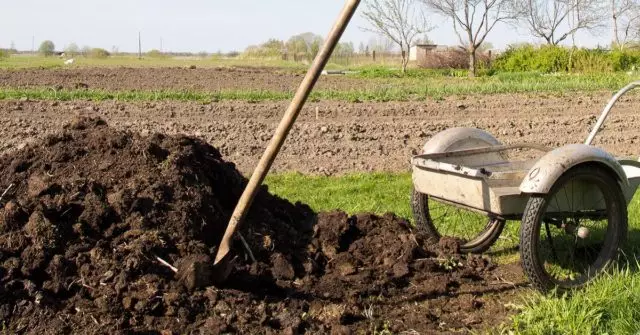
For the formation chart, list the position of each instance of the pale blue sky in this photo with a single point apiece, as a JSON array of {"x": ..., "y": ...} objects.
[{"x": 195, "y": 25}]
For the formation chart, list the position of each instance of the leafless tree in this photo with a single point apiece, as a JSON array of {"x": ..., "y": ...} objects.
[
  {"x": 556, "y": 20},
  {"x": 626, "y": 22},
  {"x": 380, "y": 44},
  {"x": 473, "y": 20},
  {"x": 398, "y": 20}
]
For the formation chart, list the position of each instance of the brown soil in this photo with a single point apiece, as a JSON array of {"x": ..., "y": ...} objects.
[
  {"x": 345, "y": 137},
  {"x": 200, "y": 79},
  {"x": 92, "y": 208}
]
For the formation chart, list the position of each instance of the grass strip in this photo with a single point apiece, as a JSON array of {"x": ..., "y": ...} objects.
[
  {"x": 393, "y": 90},
  {"x": 354, "y": 193}
]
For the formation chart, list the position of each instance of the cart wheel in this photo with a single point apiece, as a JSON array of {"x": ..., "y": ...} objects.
[
  {"x": 571, "y": 235},
  {"x": 438, "y": 219}
]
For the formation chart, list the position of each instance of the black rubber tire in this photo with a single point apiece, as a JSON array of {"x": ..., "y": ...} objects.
[
  {"x": 532, "y": 224},
  {"x": 479, "y": 244}
]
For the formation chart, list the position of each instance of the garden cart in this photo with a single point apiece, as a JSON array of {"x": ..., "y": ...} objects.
[{"x": 572, "y": 201}]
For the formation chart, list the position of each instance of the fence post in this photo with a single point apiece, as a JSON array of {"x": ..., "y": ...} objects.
[{"x": 374, "y": 56}]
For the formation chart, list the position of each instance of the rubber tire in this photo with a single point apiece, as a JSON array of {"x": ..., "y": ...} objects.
[
  {"x": 531, "y": 225},
  {"x": 420, "y": 208}
]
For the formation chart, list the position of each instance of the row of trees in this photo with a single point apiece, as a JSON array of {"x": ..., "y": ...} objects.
[
  {"x": 48, "y": 48},
  {"x": 553, "y": 21},
  {"x": 303, "y": 45},
  {"x": 307, "y": 45},
  {"x": 73, "y": 50}
]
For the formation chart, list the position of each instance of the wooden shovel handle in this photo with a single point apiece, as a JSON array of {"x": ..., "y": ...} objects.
[{"x": 285, "y": 126}]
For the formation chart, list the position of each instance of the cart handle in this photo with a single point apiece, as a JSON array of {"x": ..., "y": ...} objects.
[{"x": 607, "y": 109}]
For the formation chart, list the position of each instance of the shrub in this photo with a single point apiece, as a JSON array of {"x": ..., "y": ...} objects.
[
  {"x": 98, "y": 53},
  {"x": 47, "y": 48},
  {"x": 448, "y": 59},
  {"x": 550, "y": 59},
  {"x": 4, "y": 53},
  {"x": 452, "y": 58},
  {"x": 270, "y": 49},
  {"x": 595, "y": 60},
  {"x": 624, "y": 60},
  {"x": 72, "y": 50},
  {"x": 232, "y": 54},
  {"x": 546, "y": 59},
  {"x": 155, "y": 54}
]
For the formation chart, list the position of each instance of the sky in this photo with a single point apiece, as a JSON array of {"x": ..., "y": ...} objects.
[{"x": 200, "y": 25}]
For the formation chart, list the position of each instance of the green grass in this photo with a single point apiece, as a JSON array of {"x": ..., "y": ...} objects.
[
  {"x": 377, "y": 83},
  {"x": 36, "y": 61},
  {"x": 401, "y": 89},
  {"x": 355, "y": 193},
  {"x": 607, "y": 306},
  {"x": 32, "y": 61}
]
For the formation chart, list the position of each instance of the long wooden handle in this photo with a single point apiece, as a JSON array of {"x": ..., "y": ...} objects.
[{"x": 285, "y": 125}]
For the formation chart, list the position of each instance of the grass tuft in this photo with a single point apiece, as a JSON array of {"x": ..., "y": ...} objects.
[{"x": 607, "y": 306}]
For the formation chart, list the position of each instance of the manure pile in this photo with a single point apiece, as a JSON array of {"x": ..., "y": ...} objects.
[{"x": 91, "y": 213}]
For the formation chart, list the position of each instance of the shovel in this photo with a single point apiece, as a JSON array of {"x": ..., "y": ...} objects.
[{"x": 222, "y": 264}]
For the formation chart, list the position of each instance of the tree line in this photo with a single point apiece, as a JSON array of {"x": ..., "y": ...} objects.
[{"x": 552, "y": 21}]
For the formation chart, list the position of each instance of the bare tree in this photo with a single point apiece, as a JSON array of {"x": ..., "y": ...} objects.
[
  {"x": 380, "y": 44},
  {"x": 555, "y": 20},
  {"x": 397, "y": 20},
  {"x": 626, "y": 22},
  {"x": 473, "y": 20}
]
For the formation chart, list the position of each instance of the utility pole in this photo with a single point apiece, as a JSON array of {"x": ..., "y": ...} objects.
[
  {"x": 160, "y": 44},
  {"x": 33, "y": 44},
  {"x": 139, "y": 47}
]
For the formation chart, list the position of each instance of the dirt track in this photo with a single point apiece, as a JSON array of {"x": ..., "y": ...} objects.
[
  {"x": 205, "y": 79},
  {"x": 345, "y": 137}
]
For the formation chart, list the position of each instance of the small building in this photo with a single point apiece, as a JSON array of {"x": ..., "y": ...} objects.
[{"x": 419, "y": 52}]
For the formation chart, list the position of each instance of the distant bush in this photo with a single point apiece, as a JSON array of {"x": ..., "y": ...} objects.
[
  {"x": 97, "y": 53},
  {"x": 4, "y": 53},
  {"x": 47, "y": 48},
  {"x": 270, "y": 49},
  {"x": 155, "y": 54},
  {"x": 552, "y": 59},
  {"x": 72, "y": 50}
]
